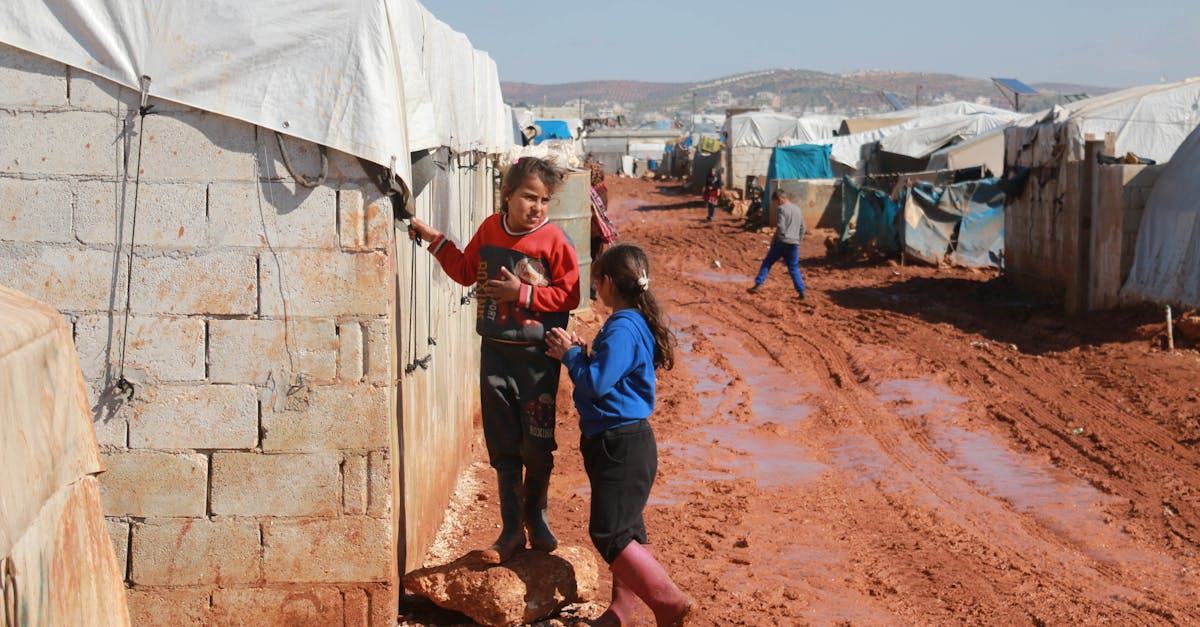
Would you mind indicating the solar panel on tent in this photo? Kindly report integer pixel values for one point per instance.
(893, 100)
(1015, 86)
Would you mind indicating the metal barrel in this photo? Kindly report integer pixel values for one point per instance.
(571, 210)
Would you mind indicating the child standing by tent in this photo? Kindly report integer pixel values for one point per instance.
(527, 274)
(614, 394)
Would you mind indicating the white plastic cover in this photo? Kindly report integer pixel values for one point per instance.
(1166, 264)
(766, 129)
(1150, 121)
(926, 135)
(360, 76)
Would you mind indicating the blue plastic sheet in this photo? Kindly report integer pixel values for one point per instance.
(873, 214)
(964, 220)
(552, 129)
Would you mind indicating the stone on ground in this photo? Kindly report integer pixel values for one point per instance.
(530, 586)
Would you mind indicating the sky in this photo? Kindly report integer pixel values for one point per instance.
(1105, 43)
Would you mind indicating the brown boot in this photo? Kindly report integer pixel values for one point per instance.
(637, 569)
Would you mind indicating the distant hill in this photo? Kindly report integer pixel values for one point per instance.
(796, 91)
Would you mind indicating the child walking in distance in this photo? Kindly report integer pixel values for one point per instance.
(614, 394)
(527, 277)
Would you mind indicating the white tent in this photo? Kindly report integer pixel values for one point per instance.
(1150, 121)
(375, 79)
(1166, 264)
(766, 129)
(931, 129)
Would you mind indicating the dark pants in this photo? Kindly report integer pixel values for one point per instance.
(790, 254)
(621, 464)
(518, 386)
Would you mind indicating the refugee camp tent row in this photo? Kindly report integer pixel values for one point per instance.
(280, 382)
(1071, 232)
(751, 136)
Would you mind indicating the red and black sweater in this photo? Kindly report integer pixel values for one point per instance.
(543, 259)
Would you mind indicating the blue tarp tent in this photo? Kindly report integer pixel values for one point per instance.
(802, 161)
(874, 216)
(552, 129)
(965, 219)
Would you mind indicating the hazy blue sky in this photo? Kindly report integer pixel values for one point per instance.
(1112, 43)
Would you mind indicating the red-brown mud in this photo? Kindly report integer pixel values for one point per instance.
(918, 446)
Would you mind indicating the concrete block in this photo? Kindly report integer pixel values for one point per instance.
(196, 417)
(118, 532)
(28, 81)
(147, 483)
(220, 283)
(62, 142)
(350, 417)
(188, 552)
(356, 608)
(379, 223)
(68, 279)
(379, 485)
(279, 215)
(96, 93)
(354, 485)
(253, 484)
(384, 600)
(349, 549)
(263, 607)
(168, 216)
(35, 211)
(352, 220)
(325, 283)
(249, 351)
(351, 352)
(162, 349)
(177, 608)
(197, 146)
(379, 351)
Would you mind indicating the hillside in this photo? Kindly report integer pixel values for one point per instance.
(797, 91)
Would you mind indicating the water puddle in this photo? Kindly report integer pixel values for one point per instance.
(724, 446)
(713, 276)
(1061, 501)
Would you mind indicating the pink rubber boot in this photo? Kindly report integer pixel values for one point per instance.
(624, 610)
(636, 568)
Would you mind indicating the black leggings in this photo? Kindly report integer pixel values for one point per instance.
(621, 464)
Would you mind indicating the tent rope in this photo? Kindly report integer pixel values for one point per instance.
(301, 179)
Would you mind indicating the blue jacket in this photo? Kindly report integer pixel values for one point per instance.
(614, 385)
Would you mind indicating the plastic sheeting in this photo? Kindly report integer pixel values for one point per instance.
(552, 129)
(373, 79)
(872, 213)
(1166, 263)
(931, 129)
(52, 531)
(965, 220)
(1150, 121)
(765, 129)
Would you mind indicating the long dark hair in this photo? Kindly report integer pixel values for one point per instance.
(628, 268)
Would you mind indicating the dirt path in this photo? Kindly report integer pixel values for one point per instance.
(920, 446)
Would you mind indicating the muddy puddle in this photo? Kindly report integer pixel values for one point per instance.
(724, 446)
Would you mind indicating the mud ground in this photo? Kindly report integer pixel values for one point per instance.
(919, 446)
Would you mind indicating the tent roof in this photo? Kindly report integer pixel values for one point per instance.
(1150, 121)
(765, 129)
(1166, 263)
(373, 79)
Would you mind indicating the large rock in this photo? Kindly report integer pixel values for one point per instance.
(529, 587)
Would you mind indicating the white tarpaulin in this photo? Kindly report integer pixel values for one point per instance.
(359, 76)
(1150, 121)
(1166, 264)
(765, 129)
(918, 137)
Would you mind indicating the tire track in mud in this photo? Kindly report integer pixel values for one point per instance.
(892, 549)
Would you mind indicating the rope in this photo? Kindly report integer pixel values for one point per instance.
(300, 178)
(124, 385)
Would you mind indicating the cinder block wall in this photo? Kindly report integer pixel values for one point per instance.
(249, 475)
(746, 161)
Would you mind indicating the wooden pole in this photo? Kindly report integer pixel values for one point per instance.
(1170, 332)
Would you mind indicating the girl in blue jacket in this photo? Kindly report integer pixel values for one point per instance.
(614, 394)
